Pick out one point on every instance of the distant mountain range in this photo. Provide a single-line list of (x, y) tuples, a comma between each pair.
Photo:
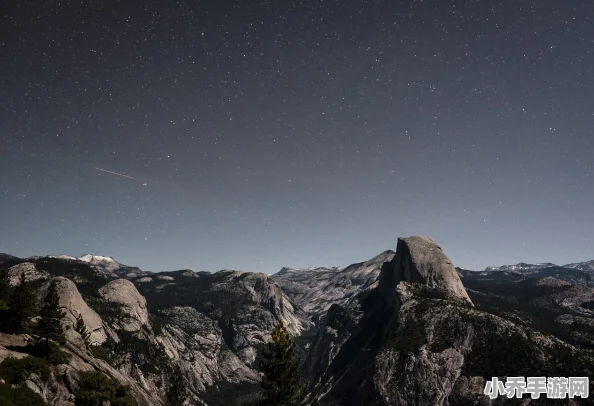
[(102, 264), (582, 266), (403, 328)]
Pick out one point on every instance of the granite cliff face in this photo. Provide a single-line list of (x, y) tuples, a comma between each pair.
[(212, 326), (315, 290), (417, 339), (74, 306), (420, 260), (403, 328), (132, 304)]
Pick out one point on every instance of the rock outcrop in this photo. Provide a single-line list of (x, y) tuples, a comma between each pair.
[(12, 341), (63, 381), (196, 342), (399, 329), (133, 304), (421, 260), (416, 339), (210, 325), (74, 306), (315, 290), (28, 269), (301, 283)]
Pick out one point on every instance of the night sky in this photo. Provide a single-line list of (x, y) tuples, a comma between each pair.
[(262, 134)]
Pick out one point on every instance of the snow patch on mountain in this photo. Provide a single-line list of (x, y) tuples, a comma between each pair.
[(107, 263), (65, 257)]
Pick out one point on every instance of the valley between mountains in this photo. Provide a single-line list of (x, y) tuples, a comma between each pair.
[(405, 327)]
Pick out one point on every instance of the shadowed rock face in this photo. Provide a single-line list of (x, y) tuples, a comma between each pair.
[(413, 341), (421, 260)]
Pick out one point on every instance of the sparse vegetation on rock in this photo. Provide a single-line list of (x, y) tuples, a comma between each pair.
[(19, 395), (96, 389), (81, 329)]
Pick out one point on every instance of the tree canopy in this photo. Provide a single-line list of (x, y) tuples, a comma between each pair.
[(81, 328), (96, 389), (281, 383), (177, 391), (50, 323), (21, 306)]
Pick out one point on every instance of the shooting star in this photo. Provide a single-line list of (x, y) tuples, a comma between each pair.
[(115, 173)]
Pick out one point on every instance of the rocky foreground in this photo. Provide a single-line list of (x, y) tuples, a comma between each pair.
[(403, 328)]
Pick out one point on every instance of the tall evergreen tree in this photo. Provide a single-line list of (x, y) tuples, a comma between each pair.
[(81, 328), (4, 286), (281, 384), (21, 305), (50, 324), (5, 290), (177, 392)]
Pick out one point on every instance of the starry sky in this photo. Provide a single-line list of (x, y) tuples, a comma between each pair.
[(261, 134)]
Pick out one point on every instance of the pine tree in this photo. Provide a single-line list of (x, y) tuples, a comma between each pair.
[(5, 290), (50, 324), (4, 286), (177, 391), (81, 328), (21, 305), (281, 384)]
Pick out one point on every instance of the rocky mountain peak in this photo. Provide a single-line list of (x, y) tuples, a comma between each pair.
[(389, 330), (107, 263), (421, 260), (582, 266), (382, 257)]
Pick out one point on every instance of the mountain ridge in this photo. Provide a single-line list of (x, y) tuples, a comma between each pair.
[(523, 266), (405, 318)]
